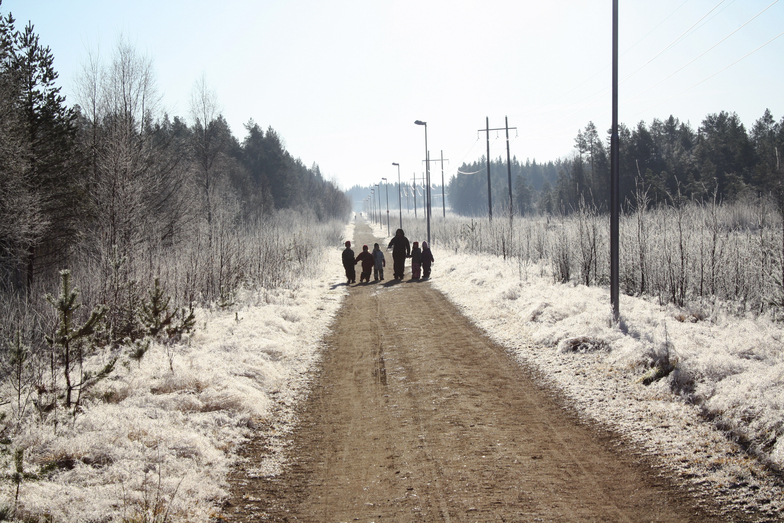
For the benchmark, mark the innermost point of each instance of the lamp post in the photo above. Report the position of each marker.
(427, 170)
(399, 196)
(387, 184)
(372, 206)
(378, 186)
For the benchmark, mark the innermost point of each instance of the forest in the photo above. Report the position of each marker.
(112, 174)
(668, 159)
(117, 220)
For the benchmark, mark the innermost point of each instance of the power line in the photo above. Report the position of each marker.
(601, 94)
(703, 54)
(602, 70)
(652, 30)
(673, 42)
(597, 96)
(714, 74)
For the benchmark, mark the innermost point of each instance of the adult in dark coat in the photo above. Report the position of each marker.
(401, 249)
(348, 264)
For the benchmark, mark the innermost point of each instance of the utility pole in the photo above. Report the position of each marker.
(615, 201)
(489, 192)
(426, 180)
(443, 198)
(387, 184)
(414, 190)
(399, 195)
(424, 197)
(428, 196)
(380, 222)
(509, 170)
(372, 210)
(442, 177)
(508, 161)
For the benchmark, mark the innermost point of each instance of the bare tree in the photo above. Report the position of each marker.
(208, 144)
(137, 176)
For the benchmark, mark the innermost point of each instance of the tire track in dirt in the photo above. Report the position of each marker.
(416, 416)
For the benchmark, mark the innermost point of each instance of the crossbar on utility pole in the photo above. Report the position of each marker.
(489, 196)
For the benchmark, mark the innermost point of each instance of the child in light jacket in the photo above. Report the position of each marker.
(378, 256)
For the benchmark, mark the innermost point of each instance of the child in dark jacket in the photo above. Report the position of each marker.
(380, 262)
(427, 260)
(416, 261)
(367, 263)
(348, 263)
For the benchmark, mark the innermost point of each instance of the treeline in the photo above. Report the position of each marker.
(667, 159)
(118, 222)
(116, 175)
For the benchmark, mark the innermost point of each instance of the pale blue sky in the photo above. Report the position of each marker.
(342, 81)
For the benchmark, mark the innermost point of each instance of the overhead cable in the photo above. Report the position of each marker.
(714, 74)
(703, 54)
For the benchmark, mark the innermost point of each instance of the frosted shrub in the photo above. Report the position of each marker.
(149, 430)
(588, 240)
(683, 252)
(561, 258)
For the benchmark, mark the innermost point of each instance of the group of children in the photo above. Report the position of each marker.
(421, 260)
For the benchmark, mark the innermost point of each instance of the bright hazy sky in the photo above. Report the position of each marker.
(343, 81)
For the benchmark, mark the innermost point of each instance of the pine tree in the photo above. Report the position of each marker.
(69, 340)
(159, 322)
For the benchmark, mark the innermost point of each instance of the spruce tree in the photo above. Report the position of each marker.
(51, 167)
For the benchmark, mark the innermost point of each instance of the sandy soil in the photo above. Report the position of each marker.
(414, 415)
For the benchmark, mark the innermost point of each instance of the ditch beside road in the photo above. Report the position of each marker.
(415, 415)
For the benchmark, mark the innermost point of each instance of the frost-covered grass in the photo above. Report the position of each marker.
(691, 253)
(151, 442)
(155, 440)
(725, 385)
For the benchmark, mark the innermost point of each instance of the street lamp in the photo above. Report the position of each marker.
(372, 206)
(427, 170)
(379, 202)
(399, 196)
(387, 184)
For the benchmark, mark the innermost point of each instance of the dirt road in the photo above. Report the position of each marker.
(416, 416)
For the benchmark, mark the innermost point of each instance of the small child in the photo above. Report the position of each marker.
(348, 264)
(427, 260)
(416, 261)
(367, 263)
(378, 256)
